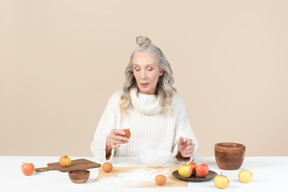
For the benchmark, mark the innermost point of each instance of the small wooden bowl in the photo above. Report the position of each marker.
(79, 175)
(229, 156)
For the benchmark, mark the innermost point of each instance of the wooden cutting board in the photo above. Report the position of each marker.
(138, 177)
(75, 164)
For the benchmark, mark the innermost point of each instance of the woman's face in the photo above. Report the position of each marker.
(146, 72)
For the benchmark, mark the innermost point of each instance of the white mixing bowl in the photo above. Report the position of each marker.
(154, 158)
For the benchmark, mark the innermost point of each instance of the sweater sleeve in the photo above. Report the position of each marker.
(183, 128)
(106, 124)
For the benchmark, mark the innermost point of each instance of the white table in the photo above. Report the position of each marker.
(269, 174)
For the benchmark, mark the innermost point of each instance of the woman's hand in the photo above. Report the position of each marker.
(115, 139)
(186, 148)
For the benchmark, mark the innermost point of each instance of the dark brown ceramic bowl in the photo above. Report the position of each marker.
(79, 175)
(229, 156)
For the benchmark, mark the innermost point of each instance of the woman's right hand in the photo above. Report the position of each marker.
(115, 139)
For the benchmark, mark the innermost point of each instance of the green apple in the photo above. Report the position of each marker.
(221, 181)
(245, 176)
(185, 170)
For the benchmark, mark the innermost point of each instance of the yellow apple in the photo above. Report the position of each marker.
(185, 170)
(245, 176)
(65, 161)
(221, 181)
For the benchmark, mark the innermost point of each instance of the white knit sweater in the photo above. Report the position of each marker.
(149, 126)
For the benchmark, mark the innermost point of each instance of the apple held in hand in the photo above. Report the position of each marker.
(193, 165)
(245, 176)
(185, 170)
(27, 169)
(202, 170)
(221, 181)
(65, 161)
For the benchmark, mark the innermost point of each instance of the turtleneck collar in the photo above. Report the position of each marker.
(146, 104)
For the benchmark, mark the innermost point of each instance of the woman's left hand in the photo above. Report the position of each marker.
(186, 148)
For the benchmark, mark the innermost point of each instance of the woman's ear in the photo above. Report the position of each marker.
(161, 73)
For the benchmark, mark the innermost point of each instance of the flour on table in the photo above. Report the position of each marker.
(134, 178)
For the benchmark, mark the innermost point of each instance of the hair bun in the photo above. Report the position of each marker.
(143, 41)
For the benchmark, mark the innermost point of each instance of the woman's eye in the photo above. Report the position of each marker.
(150, 68)
(137, 68)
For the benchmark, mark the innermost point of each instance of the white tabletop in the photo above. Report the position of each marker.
(269, 174)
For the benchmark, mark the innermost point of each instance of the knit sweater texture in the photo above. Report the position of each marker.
(150, 127)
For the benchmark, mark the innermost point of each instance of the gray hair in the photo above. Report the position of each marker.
(164, 91)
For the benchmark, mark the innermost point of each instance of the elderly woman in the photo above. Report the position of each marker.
(150, 107)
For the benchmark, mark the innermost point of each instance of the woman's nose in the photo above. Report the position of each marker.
(143, 74)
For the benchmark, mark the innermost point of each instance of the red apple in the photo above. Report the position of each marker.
(27, 169)
(202, 170)
(193, 165)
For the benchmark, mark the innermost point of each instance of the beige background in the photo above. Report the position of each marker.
(61, 60)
